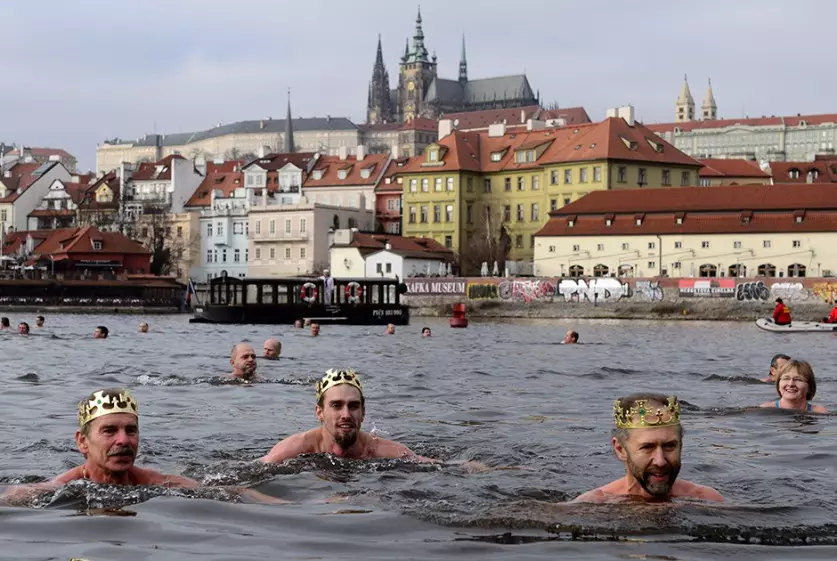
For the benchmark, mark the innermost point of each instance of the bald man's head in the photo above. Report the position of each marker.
(272, 348)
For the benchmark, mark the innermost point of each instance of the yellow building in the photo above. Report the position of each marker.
(733, 231)
(486, 194)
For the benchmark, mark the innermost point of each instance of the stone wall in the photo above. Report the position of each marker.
(650, 298)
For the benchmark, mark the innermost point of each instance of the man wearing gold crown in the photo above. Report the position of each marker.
(649, 439)
(340, 408)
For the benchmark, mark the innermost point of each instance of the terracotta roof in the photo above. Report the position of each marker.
(792, 121)
(53, 212)
(611, 139)
(67, 241)
(226, 176)
(469, 120)
(46, 152)
(15, 240)
(824, 171)
(274, 162)
(421, 124)
(329, 166)
(389, 182)
(407, 246)
(20, 177)
(149, 170)
(714, 167)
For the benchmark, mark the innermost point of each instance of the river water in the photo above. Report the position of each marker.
(500, 392)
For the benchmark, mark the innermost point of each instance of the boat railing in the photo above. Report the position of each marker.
(232, 291)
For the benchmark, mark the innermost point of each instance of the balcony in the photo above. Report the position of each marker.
(221, 212)
(278, 237)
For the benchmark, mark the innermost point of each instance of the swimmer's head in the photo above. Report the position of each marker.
(23, 328)
(4, 323)
(39, 321)
(243, 361)
(776, 363)
(143, 327)
(315, 329)
(795, 376)
(101, 332)
(390, 329)
(272, 348)
(108, 434)
(334, 378)
(571, 337)
(425, 332)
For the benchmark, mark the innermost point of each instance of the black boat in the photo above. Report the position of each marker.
(286, 300)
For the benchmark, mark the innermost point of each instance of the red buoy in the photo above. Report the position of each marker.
(459, 319)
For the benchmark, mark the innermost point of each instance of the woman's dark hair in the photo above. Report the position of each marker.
(104, 330)
(4, 322)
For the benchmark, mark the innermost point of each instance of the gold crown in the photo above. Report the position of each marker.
(641, 417)
(106, 402)
(335, 378)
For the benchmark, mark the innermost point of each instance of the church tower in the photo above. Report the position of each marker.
(379, 105)
(709, 109)
(417, 71)
(685, 107)
(463, 64)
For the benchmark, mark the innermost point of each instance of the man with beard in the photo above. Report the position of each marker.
(340, 408)
(243, 361)
(649, 439)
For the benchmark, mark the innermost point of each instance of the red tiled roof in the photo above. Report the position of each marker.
(273, 162)
(714, 167)
(389, 182)
(226, 177)
(792, 121)
(469, 120)
(330, 165)
(824, 171)
(53, 212)
(148, 170)
(15, 240)
(19, 179)
(408, 246)
(67, 241)
(421, 124)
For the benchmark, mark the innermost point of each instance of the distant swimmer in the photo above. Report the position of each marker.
(425, 332)
(4, 323)
(796, 387)
(781, 314)
(776, 364)
(570, 338)
(307, 322)
(23, 328)
(315, 329)
(143, 327)
(39, 321)
(340, 409)
(272, 349)
(298, 324)
(243, 361)
(390, 329)
(649, 440)
(101, 332)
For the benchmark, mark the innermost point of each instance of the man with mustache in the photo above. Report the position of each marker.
(243, 361)
(340, 408)
(649, 439)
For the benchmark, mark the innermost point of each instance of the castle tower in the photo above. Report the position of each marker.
(379, 105)
(463, 64)
(709, 109)
(685, 107)
(416, 73)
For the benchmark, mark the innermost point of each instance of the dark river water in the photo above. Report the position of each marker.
(502, 393)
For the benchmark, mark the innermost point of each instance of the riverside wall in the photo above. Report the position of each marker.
(743, 299)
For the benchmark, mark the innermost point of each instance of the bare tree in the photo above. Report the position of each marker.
(232, 154)
(490, 242)
(157, 230)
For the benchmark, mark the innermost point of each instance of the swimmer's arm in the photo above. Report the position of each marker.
(768, 404)
(290, 447)
(594, 496)
(21, 494)
(818, 409)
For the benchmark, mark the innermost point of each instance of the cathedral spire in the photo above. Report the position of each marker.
(289, 128)
(463, 63)
(685, 106)
(379, 58)
(709, 109)
(379, 106)
(419, 50)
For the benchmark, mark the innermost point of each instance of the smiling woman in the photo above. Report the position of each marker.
(796, 386)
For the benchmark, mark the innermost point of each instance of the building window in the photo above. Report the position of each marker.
(424, 215)
(553, 177)
(684, 179)
(223, 256)
(507, 184)
(793, 173)
(437, 184)
(642, 176)
(209, 229)
(704, 245)
(449, 213)
(621, 174)
(379, 268)
(507, 213)
(469, 213)
(432, 155)
(258, 253)
(705, 182)
(469, 184)
(568, 176)
(209, 256)
(287, 226)
(519, 213)
(425, 185)
(247, 254)
(797, 243)
(437, 213)
(450, 184)
(236, 256)
(258, 226)
(4, 215)
(553, 204)
(518, 241)
(144, 232)
(626, 246)
(666, 177)
(552, 249)
(413, 183)
(652, 264)
(582, 175)
(272, 226)
(567, 201)
(600, 247)
(238, 227)
(535, 213)
(736, 245)
(412, 219)
(220, 228)
(675, 265)
(536, 183)
(766, 244)
(678, 245)
(576, 248)
(288, 252)
(303, 225)
(597, 174)
(302, 253)
(520, 185)
(448, 242)
(486, 185)
(180, 231)
(652, 245)
(273, 253)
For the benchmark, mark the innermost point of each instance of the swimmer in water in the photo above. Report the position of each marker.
(425, 332)
(649, 439)
(776, 364)
(39, 321)
(796, 387)
(298, 324)
(101, 332)
(390, 329)
(4, 323)
(143, 327)
(315, 329)
(272, 349)
(340, 409)
(243, 361)
(23, 328)
(108, 437)
(570, 338)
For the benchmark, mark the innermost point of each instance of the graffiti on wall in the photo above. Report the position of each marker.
(755, 291)
(483, 291)
(791, 291)
(706, 288)
(649, 290)
(826, 291)
(526, 290)
(593, 290)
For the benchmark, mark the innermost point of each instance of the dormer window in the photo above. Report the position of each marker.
(342, 174)
(609, 220)
(630, 144)
(97, 245)
(793, 173)
(524, 156)
(318, 174)
(571, 222)
(638, 219)
(657, 146)
(496, 156)
(432, 155)
(365, 173)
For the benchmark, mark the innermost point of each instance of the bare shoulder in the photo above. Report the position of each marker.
(818, 409)
(68, 476)
(383, 448)
(768, 404)
(688, 489)
(292, 446)
(600, 495)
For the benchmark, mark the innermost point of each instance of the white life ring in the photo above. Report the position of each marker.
(309, 292)
(354, 292)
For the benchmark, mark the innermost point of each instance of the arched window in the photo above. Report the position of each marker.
(600, 270)
(576, 271)
(626, 270)
(737, 270)
(708, 270)
(767, 270)
(796, 270)
(793, 173)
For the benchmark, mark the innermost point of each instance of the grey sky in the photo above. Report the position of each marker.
(79, 72)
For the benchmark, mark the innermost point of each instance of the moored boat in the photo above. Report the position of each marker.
(285, 300)
(796, 326)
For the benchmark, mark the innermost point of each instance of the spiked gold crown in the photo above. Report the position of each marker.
(641, 416)
(106, 402)
(335, 378)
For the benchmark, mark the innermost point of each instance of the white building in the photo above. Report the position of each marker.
(346, 181)
(22, 187)
(165, 184)
(58, 208)
(361, 255)
(281, 174)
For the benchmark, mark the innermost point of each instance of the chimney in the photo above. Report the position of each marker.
(361, 152)
(522, 116)
(445, 127)
(810, 178)
(261, 125)
(612, 112)
(497, 130)
(343, 152)
(535, 124)
(627, 113)
(264, 196)
(261, 149)
(396, 152)
(388, 246)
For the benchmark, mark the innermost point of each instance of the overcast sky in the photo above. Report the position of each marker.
(76, 73)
